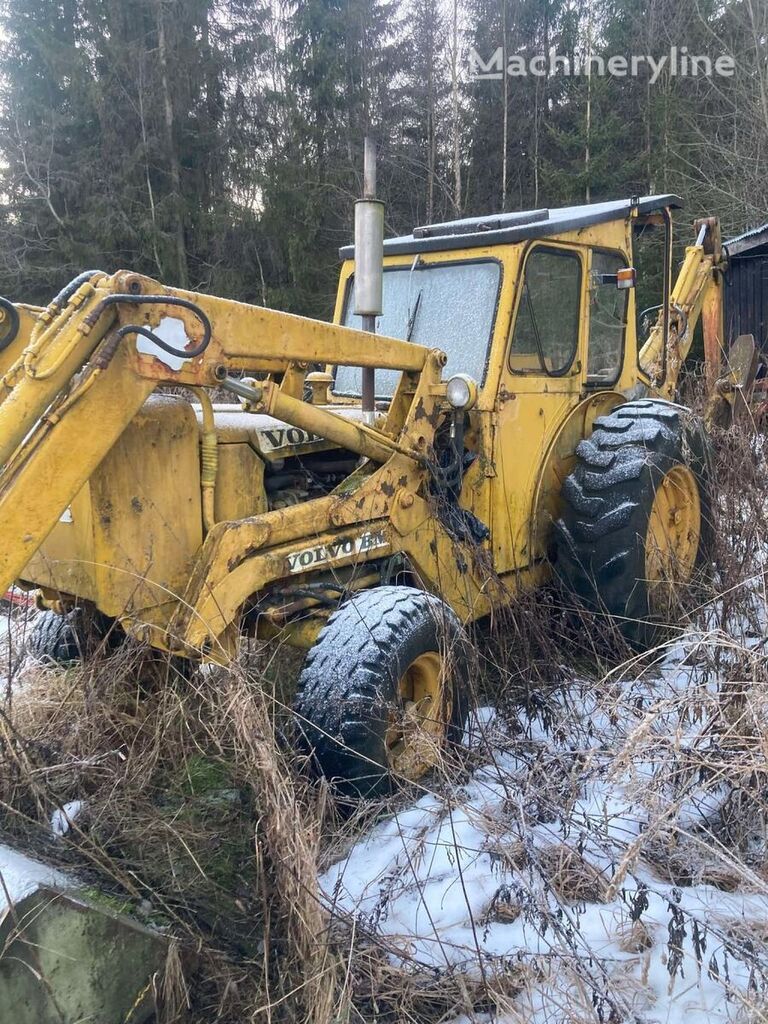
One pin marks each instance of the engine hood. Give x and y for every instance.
(272, 438)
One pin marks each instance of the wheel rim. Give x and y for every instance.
(417, 725)
(674, 530)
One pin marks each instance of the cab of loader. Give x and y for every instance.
(538, 311)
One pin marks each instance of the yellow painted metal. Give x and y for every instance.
(35, 492)
(559, 461)
(418, 723)
(209, 459)
(240, 483)
(345, 433)
(129, 538)
(674, 529)
(258, 339)
(698, 289)
(27, 318)
(300, 632)
(111, 500)
(29, 398)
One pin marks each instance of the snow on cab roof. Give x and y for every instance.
(501, 228)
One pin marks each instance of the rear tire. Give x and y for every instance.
(383, 690)
(636, 522)
(72, 637)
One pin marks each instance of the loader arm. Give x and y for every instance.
(91, 359)
(697, 292)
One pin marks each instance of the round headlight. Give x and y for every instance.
(461, 391)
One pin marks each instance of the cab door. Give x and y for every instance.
(542, 380)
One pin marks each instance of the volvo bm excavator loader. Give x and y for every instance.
(366, 495)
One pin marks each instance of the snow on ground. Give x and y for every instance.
(588, 852)
(15, 622)
(21, 875)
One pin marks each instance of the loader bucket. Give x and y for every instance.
(64, 959)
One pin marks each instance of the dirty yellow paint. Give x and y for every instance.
(100, 487)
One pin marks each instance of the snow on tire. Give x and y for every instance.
(350, 688)
(602, 539)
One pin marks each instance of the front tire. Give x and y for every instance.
(636, 516)
(383, 689)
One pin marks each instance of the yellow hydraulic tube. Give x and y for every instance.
(38, 341)
(355, 437)
(209, 459)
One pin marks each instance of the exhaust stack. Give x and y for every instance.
(369, 256)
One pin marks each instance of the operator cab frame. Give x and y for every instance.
(587, 244)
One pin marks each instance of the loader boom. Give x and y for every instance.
(442, 492)
(91, 362)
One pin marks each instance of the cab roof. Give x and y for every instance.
(506, 228)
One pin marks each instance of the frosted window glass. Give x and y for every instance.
(446, 306)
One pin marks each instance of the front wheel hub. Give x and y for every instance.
(417, 724)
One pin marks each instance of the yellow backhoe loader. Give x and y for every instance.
(375, 483)
(494, 402)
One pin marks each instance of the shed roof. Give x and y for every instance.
(747, 241)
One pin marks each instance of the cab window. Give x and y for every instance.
(607, 320)
(451, 306)
(546, 333)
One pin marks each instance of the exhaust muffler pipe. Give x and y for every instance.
(369, 257)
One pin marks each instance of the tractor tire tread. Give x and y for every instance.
(346, 683)
(599, 539)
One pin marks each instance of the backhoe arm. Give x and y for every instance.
(94, 356)
(697, 292)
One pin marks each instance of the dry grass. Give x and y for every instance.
(201, 820)
(196, 816)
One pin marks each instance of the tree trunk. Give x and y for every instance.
(182, 270)
(455, 108)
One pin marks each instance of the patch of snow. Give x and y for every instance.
(481, 725)
(64, 817)
(21, 875)
(544, 860)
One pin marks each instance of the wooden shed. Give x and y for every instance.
(746, 287)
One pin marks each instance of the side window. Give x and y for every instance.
(607, 321)
(546, 333)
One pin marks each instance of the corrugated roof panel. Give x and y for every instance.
(748, 240)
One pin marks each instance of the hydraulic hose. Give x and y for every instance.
(146, 332)
(69, 290)
(209, 459)
(117, 335)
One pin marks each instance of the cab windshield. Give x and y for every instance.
(450, 306)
